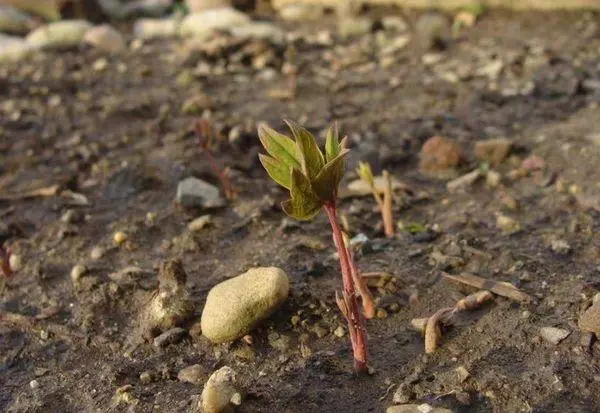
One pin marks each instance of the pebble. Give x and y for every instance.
(100, 65)
(395, 23)
(196, 6)
(77, 272)
(172, 336)
(96, 253)
(15, 262)
(416, 408)
(259, 30)
(204, 23)
(507, 224)
(301, 12)
(553, 335)
(440, 154)
(105, 37)
(13, 49)
(191, 374)
(402, 394)
(493, 151)
(561, 247)
(462, 373)
(463, 182)
(220, 394)
(193, 192)
(339, 332)
(60, 34)
(13, 20)
(493, 178)
(155, 28)
(252, 297)
(590, 320)
(354, 26)
(200, 223)
(34, 384)
(119, 237)
(146, 377)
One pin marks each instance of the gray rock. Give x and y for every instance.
(553, 335)
(402, 394)
(155, 28)
(191, 374)
(13, 20)
(60, 34)
(193, 192)
(220, 394)
(416, 408)
(234, 307)
(172, 336)
(105, 37)
(203, 24)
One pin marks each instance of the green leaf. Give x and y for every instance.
(365, 173)
(325, 185)
(304, 203)
(277, 170)
(332, 145)
(279, 146)
(311, 158)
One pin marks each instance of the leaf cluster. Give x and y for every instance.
(310, 174)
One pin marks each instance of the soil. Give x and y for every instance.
(118, 137)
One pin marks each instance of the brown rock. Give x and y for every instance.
(590, 320)
(440, 154)
(493, 151)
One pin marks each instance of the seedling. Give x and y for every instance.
(312, 177)
(385, 203)
(204, 132)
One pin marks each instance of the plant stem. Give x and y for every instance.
(356, 325)
(386, 206)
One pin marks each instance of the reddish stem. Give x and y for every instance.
(356, 327)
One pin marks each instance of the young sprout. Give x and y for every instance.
(204, 133)
(312, 177)
(385, 205)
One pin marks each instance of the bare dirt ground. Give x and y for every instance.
(118, 136)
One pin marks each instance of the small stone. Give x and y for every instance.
(433, 30)
(440, 154)
(586, 340)
(560, 247)
(381, 313)
(71, 216)
(320, 331)
(252, 297)
(493, 151)
(301, 12)
(77, 272)
(220, 394)
(590, 320)
(554, 335)
(200, 223)
(507, 224)
(395, 23)
(463, 374)
(197, 104)
(463, 182)
(197, 6)
(259, 30)
(15, 262)
(204, 23)
(354, 26)
(193, 192)
(119, 237)
(416, 408)
(191, 374)
(403, 394)
(100, 65)
(147, 29)
(339, 332)
(146, 377)
(493, 178)
(14, 49)
(60, 34)
(280, 342)
(96, 253)
(34, 384)
(172, 336)
(105, 37)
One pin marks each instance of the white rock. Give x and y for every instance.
(66, 33)
(395, 23)
(219, 393)
(155, 28)
(13, 49)
(259, 30)
(197, 6)
(203, 24)
(15, 262)
(554, 335)
(200, 223)
(193, 193)
(250, 298)
(13, 20)
(77, 272)
(301, 12)
(105, 37)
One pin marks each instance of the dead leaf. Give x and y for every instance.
(501, 288)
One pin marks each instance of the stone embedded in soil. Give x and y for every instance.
(403, 394)
(553, 335)
(60, 34)
(105, 37)
(416, 408)
(590, 320)
(155, 28)
(493, 151)
(172, 336)
(77, 272)
(440, 154)
(234, 307)
(193, 193)
(220, 394)
(560, 247)
(204, 23)
(170, 305)
(191, 374)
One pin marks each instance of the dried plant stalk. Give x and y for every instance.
(433, 332)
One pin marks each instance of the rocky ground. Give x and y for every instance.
(118, 229)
